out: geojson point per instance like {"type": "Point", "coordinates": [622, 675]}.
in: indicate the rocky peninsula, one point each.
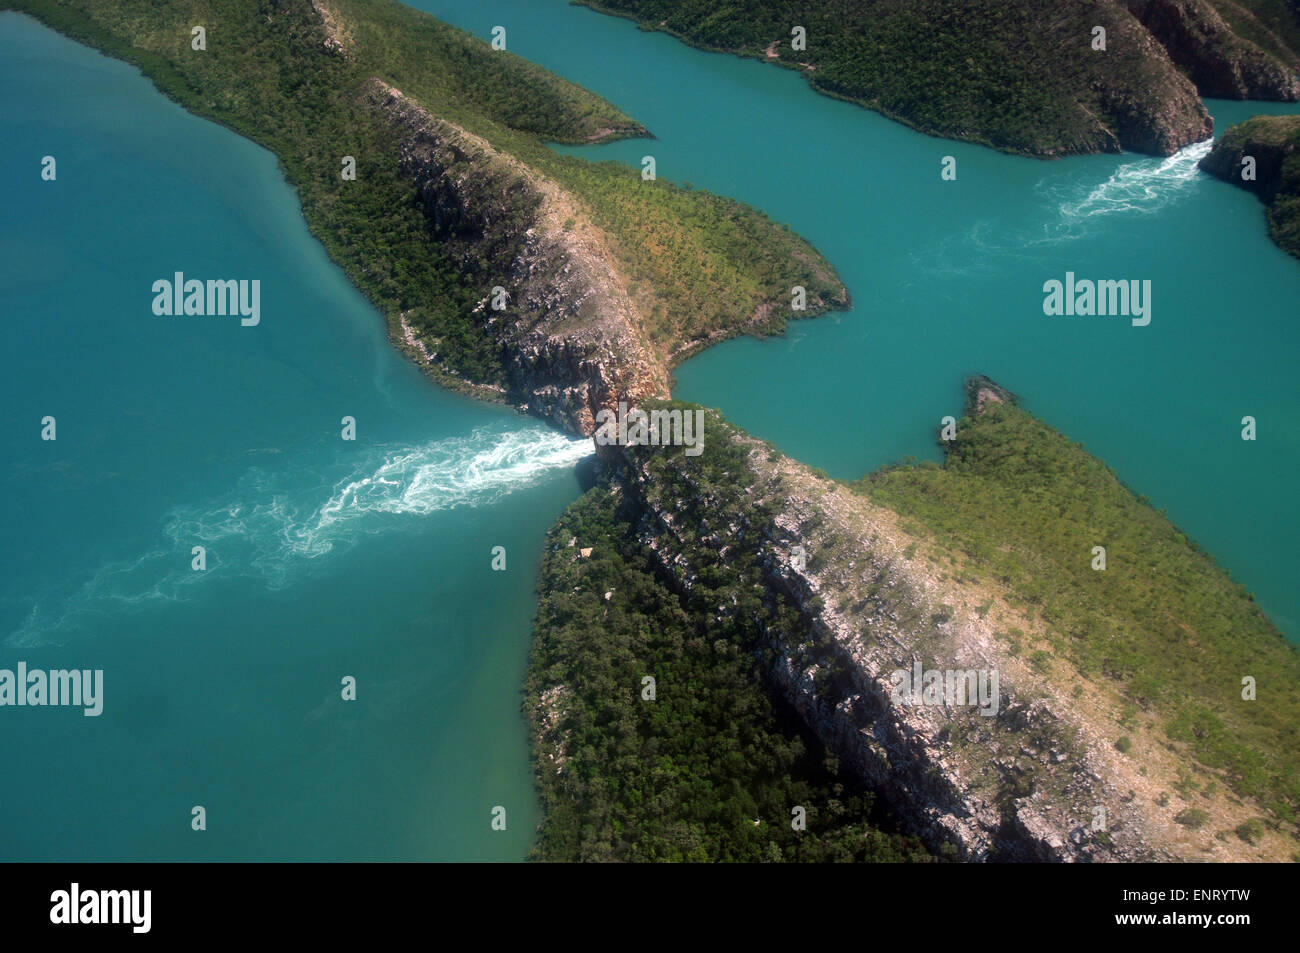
{"type": "Point", "coordinates": [1092, 76]}
{"type": "Point", "coordinates": [1262, 155]}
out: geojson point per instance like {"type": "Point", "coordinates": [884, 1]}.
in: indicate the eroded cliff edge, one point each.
{"type": "Point", "coordinates": [572, 340]}
{"type": "Point", "coordinates": [1076, 762]}
{"type": "Point", "coordinates": [1222, 63]}
{"type": "Point", "coordinates": [1262, 155]}
{"type": "Point", "coordinates": [506, 270]}
{"type": "Point", "coordinates": [1059, 88]}
{"type": "Point", "coordinates": [953, 774]}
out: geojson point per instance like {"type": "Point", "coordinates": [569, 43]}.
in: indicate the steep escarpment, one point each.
{"type": "Point", "coordinates": [572, 293]}
{"type": "Point", "coordinates": [1161, 651]}
{"type": "Point", "coordinates": [1019, 782]}
{"type": "Point", "coordinates": [1220, 63]}
{"type": "Point", "coordinates": [1263, 156]}
{"type": "Point", "coordinates": [655, 735]}
{"type": "Point", "coordinates": [1097, 741]}
{"type": "Point", "coordinates": [419, 154]}
{"type": "Point", "coordinates": [559, 311]}
{"type": "Point", "coordinates": [1133, 92]}
{"type": "Point", "coordinates": [1030, 76]}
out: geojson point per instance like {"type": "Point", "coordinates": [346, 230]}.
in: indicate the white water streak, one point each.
{"type": "Point", "coordinates": [274, 521]}
{"type": "Point", "coordinates": [1144, 186]}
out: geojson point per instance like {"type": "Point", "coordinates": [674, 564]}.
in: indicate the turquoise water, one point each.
{"type": "Point", "coordinates": [372, 558]}
{"type": "Point", "coordinates": [947, 278]}
{"type": "Point", "coordinates": [326, 558]}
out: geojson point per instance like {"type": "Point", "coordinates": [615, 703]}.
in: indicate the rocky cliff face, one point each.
{"type": "Point", "coordinates": [1033, 779]}
{"type": "Point", "coordinates": [1138, 92]}
{"type": "Point", "coordinates": [572, 333]}
{"type": "Point", "coordinates": [1269, 140]}
{"type": "Point", "coordinates": [1219, 62]}
{"type": "Point", "coordinates": [1150, 106]}
{"type": "Point", "coordinates": [1273, 143]}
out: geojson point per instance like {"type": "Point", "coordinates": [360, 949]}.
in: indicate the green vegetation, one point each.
{"type": "Point", "coordinates": [1162, 622]}
{"type": "Point", "coordinates": [686, 775]}
{"type": "Point", "coordinates": [1193, 817]}
{"type": "Point", "coordinates": [1274, 143]}
{"type": "Point", "coordinates": [674, 589]}
{"type": "Point", "coordinates": [1271, 25]}
{"type": "Point", "coordinates": [1019, 75]}
{"type": "Point", "coordinates": [294, 82]}
{"type": "Point", "coordinates": [699, 264]}
{"type": "Point", "coordinates": [1250, 831]}
{"type": "Point", "coordinates": [268, 74]}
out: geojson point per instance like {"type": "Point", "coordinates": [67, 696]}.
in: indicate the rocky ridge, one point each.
{"type": "Point", "coordinates": [1269, 140]}
{"type": "Point", "coordinates": [1039, 780]}
{"type": "Point", "coordinates": [1221, 63]}
{"type": "Point", "coordinates": [572, 335]}
{"type": "Point", "coordinates": [1273, 143]}
{"type": "Point", "coordinates": [1141, 91]}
